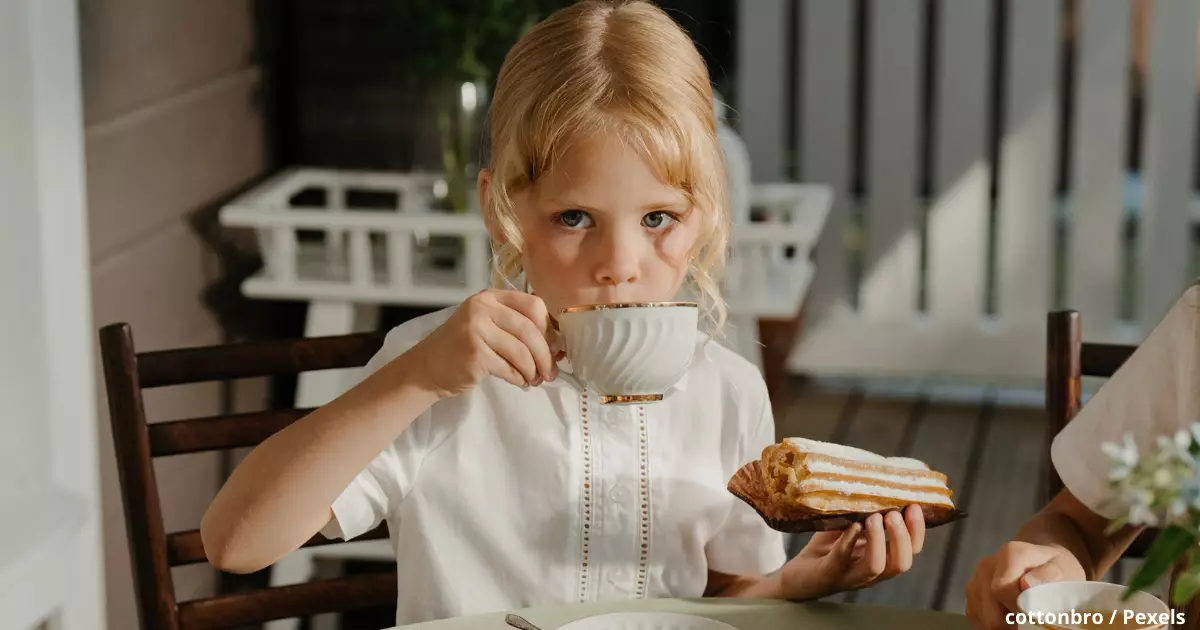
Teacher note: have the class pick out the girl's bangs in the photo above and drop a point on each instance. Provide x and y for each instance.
(663, 144)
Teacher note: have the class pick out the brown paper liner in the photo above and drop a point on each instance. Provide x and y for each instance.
(747, 485)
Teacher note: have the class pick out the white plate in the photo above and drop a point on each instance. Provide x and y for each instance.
(646, 621)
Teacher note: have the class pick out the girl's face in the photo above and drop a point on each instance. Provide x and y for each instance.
(600, 227)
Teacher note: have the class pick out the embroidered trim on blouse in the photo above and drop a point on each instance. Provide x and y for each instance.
(585, 536)
(644, 491)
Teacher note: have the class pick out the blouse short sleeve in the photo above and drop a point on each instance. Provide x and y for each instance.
(367, 501)
(745, 545)
(1150, 396)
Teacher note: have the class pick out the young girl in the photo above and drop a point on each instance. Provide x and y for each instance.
(502, 485)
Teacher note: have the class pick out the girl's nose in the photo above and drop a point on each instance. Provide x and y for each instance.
(618, 261)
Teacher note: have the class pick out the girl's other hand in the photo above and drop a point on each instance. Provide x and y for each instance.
(506, 334)
(881, 548)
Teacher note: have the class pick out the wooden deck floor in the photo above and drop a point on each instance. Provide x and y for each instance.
(991, 451)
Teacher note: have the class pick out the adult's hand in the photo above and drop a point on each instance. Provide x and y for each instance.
(1000, 578)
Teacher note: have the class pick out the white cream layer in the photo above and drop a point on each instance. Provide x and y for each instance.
(850, 487)
(840, 451)
(830, 468)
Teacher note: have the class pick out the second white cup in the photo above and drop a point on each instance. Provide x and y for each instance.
(1062, 605)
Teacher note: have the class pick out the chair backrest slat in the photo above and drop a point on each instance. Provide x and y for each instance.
(1068, 360)
(187, 548)
(256, 358)
(137, 442)
(1063, 383)
(1103, 359)
(303, 600)
(139, 490)
(178, 437)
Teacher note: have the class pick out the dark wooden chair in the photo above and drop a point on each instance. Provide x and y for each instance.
(138, 442)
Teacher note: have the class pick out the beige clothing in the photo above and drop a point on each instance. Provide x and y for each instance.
(1154, 394)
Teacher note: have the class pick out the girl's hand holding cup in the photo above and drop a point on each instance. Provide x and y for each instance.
(506, 334)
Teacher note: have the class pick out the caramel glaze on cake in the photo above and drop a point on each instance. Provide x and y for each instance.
(812, 477)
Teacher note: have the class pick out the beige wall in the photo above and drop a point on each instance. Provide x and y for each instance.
(173, 124)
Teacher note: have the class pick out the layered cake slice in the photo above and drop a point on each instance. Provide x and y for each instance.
(810, 476)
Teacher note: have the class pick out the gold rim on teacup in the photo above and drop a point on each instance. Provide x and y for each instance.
(616, 305)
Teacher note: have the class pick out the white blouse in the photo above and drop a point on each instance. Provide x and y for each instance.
(1154, 394)
(504, 498)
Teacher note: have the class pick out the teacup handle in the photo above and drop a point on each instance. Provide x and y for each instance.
(567, 376)
(570, 378)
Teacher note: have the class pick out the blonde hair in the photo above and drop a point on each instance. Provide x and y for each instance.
(623, 68)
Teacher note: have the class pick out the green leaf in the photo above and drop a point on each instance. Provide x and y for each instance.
(1186, 586)
(1170, 545)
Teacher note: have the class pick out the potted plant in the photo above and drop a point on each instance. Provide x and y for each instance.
(457, 49)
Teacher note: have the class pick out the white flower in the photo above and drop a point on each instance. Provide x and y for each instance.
(1125, 454)
(1140, 501)
(1141, 515)
(1183, 440)
(1161, 487)
(1176, 446)
(1163, 478)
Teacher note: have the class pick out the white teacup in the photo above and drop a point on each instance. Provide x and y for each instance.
(1060, 599)
(630, 353)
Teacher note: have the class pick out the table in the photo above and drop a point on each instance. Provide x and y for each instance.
(744, 614)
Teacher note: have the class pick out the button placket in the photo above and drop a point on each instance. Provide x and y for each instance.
(615, 532)
(643, 566)
(586, 499)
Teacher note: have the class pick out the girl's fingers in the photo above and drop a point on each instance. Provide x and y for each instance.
(534, 309)
(826, 539)
(915, 519)
(514, 352)
(501, 368)
(900, 551)
(519, 325)
(849, 539)
(841, 551)
(529, 305)
(874, 558)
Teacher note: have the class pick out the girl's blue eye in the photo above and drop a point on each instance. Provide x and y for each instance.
(574, 219)
(656, 220)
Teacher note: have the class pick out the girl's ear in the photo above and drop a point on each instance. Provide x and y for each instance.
(489, 214)
(485, 183)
